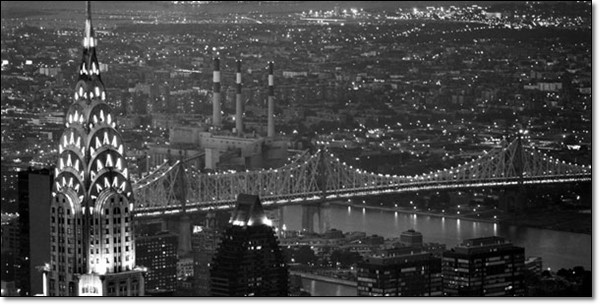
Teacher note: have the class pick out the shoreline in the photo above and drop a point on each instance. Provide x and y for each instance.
(322, 278)
(452, 216)
(405, 211)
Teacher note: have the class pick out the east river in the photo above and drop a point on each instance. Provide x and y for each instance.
(557, 249)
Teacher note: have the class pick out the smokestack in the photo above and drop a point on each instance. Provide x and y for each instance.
(271, 104)
(239, 126)
(216, 95)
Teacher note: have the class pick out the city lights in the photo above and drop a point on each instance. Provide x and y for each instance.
(155, 149)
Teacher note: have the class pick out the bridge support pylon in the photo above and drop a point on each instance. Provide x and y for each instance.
(309, 212)
(513, 200)
(185, 236)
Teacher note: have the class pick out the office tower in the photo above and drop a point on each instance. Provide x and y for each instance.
(249, 261)
(487, 266)
(412, 238)
(205, 240)
(158, 254)
(9, 259)
(34, 197)
(408, 273)
(92, 238)
(185, 268)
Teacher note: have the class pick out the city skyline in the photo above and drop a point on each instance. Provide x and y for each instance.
(358, 128)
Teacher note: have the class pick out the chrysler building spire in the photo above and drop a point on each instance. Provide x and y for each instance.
(89, 70)
(88, 23)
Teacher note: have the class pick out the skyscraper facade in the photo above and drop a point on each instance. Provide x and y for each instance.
(34, 196)
(158, 253)
(10, 262)
(407, 273)
(205, 241)
(249, 261)
(92, 240)
(487, 266)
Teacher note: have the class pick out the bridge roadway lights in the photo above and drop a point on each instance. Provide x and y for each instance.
(334, 179)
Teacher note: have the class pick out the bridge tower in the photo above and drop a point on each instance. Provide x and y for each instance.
(317, 209)
(185, 228)
(513, 198)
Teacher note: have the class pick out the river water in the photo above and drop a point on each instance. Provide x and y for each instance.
(557, 249)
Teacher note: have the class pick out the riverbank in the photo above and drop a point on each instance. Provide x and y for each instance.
(418, 212)
(324, 278)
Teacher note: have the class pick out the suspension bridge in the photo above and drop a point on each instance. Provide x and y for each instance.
(178, 187)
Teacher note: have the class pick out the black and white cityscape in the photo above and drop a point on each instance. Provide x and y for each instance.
(275, 148)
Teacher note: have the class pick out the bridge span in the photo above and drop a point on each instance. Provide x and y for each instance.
(313, 178)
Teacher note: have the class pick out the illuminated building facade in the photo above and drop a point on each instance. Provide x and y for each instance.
(92, 239)
(249, 262)
(158, 254)
(487, 266)
(406, 274)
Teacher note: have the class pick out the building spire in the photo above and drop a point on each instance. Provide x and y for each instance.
(88, 41)
(90, 85)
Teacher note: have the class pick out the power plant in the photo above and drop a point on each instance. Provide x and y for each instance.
(213, 147)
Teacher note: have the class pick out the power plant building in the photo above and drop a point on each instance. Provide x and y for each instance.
(224, 149)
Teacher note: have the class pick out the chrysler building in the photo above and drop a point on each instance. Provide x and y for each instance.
(92, 238)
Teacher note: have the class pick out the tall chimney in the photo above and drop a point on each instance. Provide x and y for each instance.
(271, 104)
(239, 126)
(216, 95)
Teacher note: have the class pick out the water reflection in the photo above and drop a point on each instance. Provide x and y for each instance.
(558, 249)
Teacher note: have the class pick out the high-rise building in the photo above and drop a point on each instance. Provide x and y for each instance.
(34, 197)
(9, 259)
(249, 261)
(10, 233)
(408, 273)
(158, 254)
(92, 239)
(205, 240)
(487, 266)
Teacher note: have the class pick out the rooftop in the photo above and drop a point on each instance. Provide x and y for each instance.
(249, 212)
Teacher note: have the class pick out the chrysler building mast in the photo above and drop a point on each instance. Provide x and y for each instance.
(92, 238)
